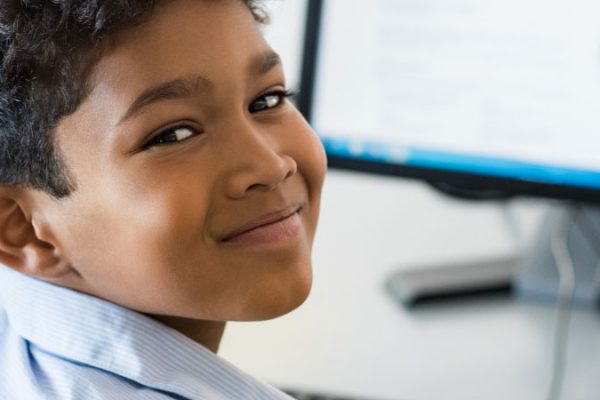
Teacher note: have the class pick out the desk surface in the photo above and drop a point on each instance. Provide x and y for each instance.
(350, 338)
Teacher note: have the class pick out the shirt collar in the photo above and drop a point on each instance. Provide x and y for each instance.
(103, 335)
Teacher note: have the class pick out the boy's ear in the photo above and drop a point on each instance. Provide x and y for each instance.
(21, 247)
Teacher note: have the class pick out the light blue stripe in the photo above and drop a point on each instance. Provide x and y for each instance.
(504, 168)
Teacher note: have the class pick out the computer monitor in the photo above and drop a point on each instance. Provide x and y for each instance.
(480, 98)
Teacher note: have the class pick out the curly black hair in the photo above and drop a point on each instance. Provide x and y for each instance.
(48, 48)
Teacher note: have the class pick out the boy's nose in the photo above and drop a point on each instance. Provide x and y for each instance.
(259, 164)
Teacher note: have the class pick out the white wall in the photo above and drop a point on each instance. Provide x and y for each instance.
(285, 33)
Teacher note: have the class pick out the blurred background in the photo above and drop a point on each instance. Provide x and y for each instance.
(459, 242)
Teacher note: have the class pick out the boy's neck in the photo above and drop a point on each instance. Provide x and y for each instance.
(207, 333)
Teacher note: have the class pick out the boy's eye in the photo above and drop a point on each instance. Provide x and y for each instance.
(171, 135)
(269, 100)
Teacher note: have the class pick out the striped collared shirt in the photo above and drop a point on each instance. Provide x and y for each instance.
(57, 344)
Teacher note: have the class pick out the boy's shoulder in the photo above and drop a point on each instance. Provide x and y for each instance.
(56, 343)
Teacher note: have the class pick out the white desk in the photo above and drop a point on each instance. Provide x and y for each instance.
(349, 338)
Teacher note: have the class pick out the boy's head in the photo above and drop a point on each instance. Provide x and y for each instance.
(148, 156)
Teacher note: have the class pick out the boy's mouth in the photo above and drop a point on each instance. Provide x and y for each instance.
(271, 227)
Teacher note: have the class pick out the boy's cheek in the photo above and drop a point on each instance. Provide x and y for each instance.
(314, 163)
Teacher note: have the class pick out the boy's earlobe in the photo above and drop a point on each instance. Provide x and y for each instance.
(20, 247)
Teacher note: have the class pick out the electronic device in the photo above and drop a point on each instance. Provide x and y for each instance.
(481, 99)
(484, 97)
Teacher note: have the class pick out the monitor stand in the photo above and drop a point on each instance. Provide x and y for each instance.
(426, 283)
(538, 274)
(532, 275)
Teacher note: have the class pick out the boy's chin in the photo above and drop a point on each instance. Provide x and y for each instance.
(278, 310)
(273, 306)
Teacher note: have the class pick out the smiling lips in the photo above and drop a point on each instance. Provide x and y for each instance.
(270, 228)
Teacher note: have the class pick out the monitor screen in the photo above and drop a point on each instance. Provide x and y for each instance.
(483, 94)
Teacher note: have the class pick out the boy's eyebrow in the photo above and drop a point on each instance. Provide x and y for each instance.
(176, 88)
(264, 62)
(185, 87)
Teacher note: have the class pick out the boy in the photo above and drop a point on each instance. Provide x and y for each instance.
(155, 183)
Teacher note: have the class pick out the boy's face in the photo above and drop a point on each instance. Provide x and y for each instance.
(171, 186)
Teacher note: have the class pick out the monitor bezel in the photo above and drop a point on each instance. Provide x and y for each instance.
(460, 184)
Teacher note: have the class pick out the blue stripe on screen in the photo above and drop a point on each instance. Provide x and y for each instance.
(490, 166)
